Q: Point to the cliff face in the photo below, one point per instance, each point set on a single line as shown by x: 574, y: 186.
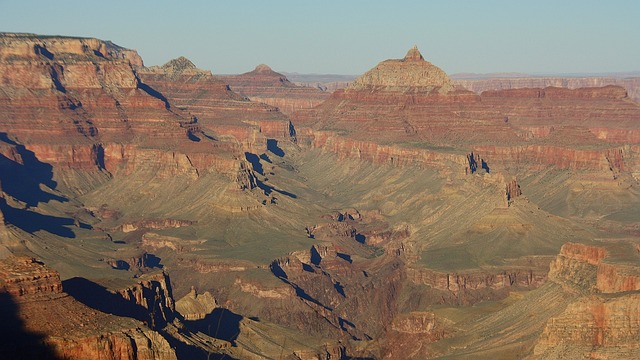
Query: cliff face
x: 272, y: 88
x: 101, y: 117
x: 35, y: 306
x: 604, y: 322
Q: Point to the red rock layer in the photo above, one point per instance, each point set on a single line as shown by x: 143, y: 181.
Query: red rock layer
x: 269, y: 87
x: 593, y: 327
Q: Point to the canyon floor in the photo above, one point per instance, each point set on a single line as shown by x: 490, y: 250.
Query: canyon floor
x: 165, y: 212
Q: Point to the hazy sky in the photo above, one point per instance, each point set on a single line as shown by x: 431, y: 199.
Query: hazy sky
x: 349, y: 37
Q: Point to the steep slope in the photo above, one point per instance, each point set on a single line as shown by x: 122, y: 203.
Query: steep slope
x: 269, y: 87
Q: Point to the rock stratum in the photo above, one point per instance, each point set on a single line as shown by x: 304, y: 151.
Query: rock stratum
x: 402, y: 217
x: 267, y: 86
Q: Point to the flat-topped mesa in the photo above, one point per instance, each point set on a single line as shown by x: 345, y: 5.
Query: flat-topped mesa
x: 25, y: 46
x: 411, y: 72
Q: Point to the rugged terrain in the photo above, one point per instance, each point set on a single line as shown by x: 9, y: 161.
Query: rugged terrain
x: 403, y: 217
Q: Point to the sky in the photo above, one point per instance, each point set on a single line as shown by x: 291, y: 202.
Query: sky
x: 351, y: 36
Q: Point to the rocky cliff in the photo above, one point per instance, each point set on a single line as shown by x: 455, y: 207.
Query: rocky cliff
x: 108, y: 120
x: 272, y: 88
x: 398, y: 100
x: 34, y: 306
x: 603, y: 322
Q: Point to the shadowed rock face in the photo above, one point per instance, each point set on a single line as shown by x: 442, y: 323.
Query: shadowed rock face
x: 67, y: 328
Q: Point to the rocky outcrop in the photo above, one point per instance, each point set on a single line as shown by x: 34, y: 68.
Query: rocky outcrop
x: 593, y: 327
x: 272, y: 88
x: 194, y: 306
x: 604, y: 322
x: 34, y: 302
x: 512, y: 190
x: 26, y: 278
x: 589, y: 268
x: 155, y: 224
x: 153, y: 294
x: 410, y: 333
x: 466, y: 283
x: 100, y: 116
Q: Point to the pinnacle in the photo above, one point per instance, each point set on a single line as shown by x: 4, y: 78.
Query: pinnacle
x: 413, y: 54
x: 179, y: 64
x: 263, y: 68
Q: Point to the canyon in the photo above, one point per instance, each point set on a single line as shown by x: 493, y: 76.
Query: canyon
x: 167, y: 212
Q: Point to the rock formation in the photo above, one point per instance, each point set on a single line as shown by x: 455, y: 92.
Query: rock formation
x: 34, y: 304
x: 412, y: 72
x: 604, y: 322
x: 196, y: 306
x: 272, y: 88
x: 412, y: 104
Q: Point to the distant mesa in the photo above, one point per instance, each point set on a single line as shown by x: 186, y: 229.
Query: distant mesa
x: 413, y: 71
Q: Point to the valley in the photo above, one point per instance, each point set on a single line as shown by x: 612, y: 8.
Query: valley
x: 180, y: 214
